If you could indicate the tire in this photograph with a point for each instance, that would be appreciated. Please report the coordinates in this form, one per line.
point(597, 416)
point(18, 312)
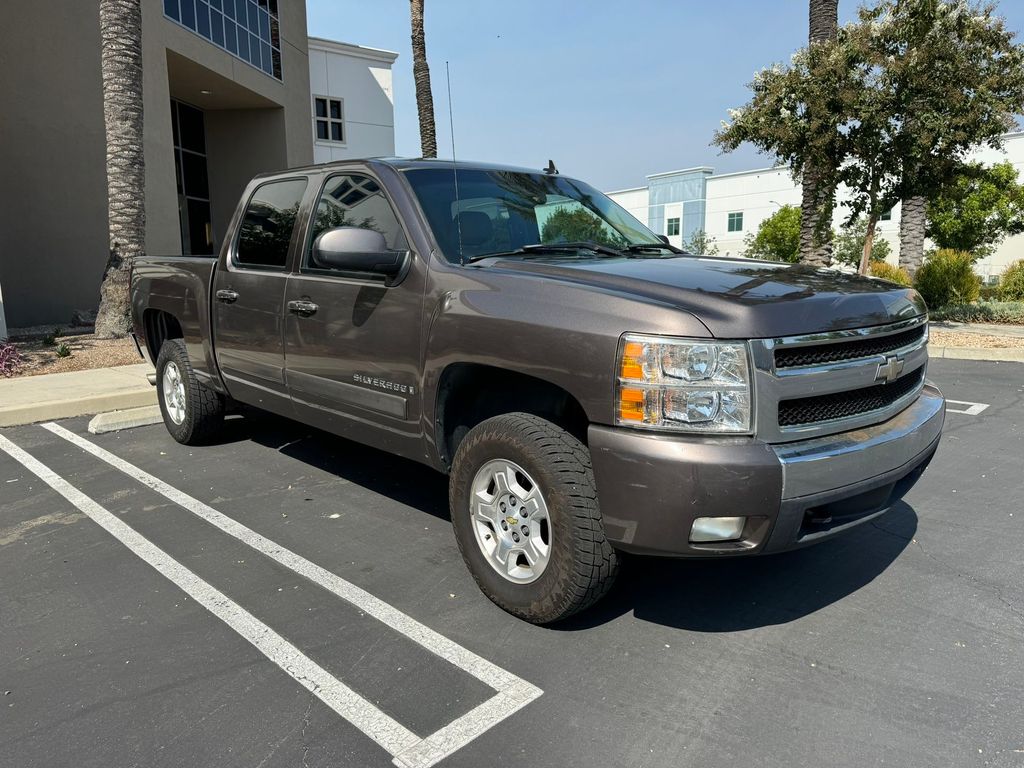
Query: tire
point(554, 468)
point(193, 413)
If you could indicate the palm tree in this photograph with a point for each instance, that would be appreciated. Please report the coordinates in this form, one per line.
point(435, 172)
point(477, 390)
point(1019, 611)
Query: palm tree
point(912, 224)
point(421, 74)
point(121, 71)
point(815, 245)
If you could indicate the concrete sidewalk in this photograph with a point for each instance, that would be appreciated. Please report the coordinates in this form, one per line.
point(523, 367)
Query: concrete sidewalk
point(29, 399)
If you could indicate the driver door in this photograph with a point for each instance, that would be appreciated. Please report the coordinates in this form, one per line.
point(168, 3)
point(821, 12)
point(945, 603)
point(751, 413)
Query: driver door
point(351, 342)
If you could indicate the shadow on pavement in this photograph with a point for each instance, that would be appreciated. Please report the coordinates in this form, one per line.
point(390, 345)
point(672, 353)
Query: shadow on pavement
point(720, 595)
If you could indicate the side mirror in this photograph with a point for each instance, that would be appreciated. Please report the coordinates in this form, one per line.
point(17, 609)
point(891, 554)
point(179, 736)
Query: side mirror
point(664, 239)
point(352, 249)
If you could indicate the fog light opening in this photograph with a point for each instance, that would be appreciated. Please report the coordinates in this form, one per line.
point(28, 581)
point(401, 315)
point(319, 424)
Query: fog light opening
point(717, 529)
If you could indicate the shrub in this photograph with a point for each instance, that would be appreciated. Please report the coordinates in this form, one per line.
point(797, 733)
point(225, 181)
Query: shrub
point(63, 350)
point(10, 359)
point(947, 277)
point(1011, 284)
point(989, 293)
point(887, 271)
point(51, 338)
point(1008, 312)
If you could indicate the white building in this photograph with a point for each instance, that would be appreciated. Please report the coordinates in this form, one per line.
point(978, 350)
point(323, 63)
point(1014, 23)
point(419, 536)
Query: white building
point(729, 206)
point(352, 101)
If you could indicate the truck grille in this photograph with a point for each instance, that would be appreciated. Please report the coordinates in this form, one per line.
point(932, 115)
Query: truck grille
point(834, 352)
point(841, 405)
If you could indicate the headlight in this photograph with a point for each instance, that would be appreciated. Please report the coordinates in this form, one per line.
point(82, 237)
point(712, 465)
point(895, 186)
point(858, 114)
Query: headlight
point(689, 386)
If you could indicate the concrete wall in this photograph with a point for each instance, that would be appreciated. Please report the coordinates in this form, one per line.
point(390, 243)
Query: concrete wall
point(361, 77)
point(53, 212)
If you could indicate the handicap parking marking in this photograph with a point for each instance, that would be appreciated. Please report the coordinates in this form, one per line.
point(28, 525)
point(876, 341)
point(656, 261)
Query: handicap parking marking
point(970, 409)
point(511, 692)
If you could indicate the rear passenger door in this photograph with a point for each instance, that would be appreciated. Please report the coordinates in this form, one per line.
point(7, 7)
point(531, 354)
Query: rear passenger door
point(353, 362)
point(248, 300)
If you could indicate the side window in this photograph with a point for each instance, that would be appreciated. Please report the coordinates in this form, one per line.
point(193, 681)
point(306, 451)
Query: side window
point(354, 200)
point(268, 224)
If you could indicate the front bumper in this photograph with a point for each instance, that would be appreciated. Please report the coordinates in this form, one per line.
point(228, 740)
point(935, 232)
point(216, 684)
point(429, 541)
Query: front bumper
point(652, 487)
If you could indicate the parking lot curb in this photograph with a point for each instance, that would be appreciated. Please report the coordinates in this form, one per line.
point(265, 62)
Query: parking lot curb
point(993, 354)
point(112, 421)
point(52, 396)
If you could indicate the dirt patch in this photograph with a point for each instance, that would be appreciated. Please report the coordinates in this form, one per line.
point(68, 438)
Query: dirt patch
point(86, 352)
point(939, 338)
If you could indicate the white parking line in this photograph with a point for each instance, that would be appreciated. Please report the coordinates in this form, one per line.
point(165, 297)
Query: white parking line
point(972, 409)
point(513, 693)
point(390, 734)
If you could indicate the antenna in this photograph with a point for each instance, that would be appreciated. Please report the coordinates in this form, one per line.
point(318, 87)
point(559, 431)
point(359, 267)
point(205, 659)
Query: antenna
point(455, 166)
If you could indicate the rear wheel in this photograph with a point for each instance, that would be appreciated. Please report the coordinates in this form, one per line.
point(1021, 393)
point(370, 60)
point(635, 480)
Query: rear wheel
point(192, 413)
point(524, 508)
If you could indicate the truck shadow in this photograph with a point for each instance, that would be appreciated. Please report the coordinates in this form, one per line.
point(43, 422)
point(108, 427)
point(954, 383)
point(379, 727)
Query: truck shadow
point(747, 593)
point(721, 595)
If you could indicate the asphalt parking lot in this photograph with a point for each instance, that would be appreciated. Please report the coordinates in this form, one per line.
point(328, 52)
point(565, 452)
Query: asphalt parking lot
point(285, 598)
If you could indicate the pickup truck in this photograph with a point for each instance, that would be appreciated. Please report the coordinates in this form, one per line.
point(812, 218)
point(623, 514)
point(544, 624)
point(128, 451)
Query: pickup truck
point(588, 389)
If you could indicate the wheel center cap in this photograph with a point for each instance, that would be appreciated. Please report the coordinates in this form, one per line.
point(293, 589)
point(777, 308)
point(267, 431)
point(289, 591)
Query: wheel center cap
point(511, 520)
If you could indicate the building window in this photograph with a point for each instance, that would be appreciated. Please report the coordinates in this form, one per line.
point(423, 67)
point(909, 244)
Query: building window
point(329, 118)
point(672, 227)
point(887, 216)
point(736, 222)
point(248, 29)
point(189, 139)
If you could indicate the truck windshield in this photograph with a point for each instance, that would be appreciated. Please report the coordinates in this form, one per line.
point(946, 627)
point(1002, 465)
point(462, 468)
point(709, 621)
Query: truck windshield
point(501, 211)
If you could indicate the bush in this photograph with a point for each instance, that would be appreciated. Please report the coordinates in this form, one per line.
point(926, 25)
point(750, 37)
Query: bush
point(1011, 284)
point(887, 271)
point(10, 359)
point(1008, 312)
point(63, 350)
point(947, 277)
point(989, 293)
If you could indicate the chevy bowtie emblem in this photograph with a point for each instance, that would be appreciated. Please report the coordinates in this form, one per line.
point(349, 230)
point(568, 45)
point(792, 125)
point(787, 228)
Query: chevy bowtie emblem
point(890, 370)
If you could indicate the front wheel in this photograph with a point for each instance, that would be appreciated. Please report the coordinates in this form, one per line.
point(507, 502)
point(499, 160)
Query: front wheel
point(192, 413)
point(526, 518)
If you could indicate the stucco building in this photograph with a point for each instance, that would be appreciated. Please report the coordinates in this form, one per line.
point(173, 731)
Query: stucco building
point(226, 90)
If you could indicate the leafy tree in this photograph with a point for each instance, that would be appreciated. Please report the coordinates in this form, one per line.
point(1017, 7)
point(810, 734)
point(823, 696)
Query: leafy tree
point(777, 238)
point(421, 76)
point(121, 76)
point(893, 105)
point(569, 224)
point(849, 245)
point(701, 244)
point(981, 207)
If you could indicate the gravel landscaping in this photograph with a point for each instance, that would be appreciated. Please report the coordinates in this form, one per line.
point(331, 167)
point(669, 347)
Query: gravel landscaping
point(940, 338)
point(86, 352)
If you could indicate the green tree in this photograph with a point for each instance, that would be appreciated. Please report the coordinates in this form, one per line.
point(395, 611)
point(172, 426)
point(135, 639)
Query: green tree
point(849, 245)
point(894, 112)
point(981, 207)
point(571, 224)
point(701, 244)
point(121, 76)
point(777, 238)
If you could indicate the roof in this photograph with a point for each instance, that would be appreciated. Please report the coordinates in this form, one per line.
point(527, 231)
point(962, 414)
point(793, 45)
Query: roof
point(351, 49)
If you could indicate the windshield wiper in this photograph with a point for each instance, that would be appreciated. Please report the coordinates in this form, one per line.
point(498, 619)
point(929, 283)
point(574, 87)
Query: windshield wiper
point(539, 249)
point(641, 247)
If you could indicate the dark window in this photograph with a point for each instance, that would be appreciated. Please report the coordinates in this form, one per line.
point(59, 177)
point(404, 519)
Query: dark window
point(251, 31)
point(672, 227)
point(735, 222)
point(329, 116)
point(887, 216)
point(268, 224)
point(191, 179)
point(354, 200)
point(190, 123)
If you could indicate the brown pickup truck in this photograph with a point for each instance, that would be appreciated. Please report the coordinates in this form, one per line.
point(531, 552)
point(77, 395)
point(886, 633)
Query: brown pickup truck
point(588, 389)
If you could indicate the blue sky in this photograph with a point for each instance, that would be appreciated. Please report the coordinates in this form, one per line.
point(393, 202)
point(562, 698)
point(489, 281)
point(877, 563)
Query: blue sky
point(610, 90)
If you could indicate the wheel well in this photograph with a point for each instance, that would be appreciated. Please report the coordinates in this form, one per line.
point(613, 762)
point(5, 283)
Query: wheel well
point(469, 394)
point(160, 326)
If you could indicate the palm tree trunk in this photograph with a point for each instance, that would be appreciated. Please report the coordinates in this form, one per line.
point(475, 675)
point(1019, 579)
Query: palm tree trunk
point(421, 74)
point(121, 71)
point(817, 190)
point(912, 224)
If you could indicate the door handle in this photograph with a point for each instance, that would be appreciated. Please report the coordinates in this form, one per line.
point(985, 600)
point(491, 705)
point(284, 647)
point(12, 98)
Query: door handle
point(303, 308)
point(227, 296)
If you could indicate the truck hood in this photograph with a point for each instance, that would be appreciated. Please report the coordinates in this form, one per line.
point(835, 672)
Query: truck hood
point(742, 298)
